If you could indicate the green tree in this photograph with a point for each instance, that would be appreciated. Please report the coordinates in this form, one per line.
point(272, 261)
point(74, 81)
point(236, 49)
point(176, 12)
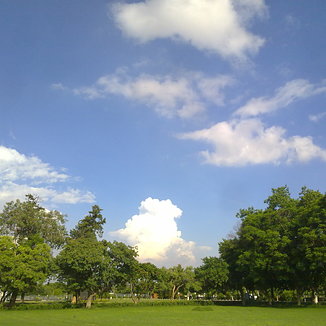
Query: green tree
point(23, 267)
point(280, 247)
point(27, 219)
point(179, 278)
point(84, 264)
point(127, 270)
point(146, 279)
point(90, 226)
point(307, 251)
point(238, 278)
point(212, 274)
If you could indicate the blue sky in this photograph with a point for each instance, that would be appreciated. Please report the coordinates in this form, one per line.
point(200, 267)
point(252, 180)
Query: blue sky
point(171, 115)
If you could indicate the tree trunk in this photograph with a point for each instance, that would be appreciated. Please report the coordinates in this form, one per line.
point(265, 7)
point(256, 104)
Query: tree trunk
point(89, 300)
point(22, 297)
point(132, 294)
point(243, 295)
point(13, 299)
point(173, 292)
point(4, 296)
point(271, 296)
point(299, 296)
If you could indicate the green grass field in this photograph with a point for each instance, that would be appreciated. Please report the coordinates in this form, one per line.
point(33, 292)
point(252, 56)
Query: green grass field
point(167, 316)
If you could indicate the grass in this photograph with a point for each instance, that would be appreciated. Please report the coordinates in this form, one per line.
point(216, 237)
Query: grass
point(169, 315)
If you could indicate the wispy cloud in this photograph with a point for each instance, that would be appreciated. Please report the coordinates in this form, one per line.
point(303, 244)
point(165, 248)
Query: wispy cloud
point(292, 91)
point(248, 142)
point(218, 26)
point(317, 117)
point(21, 174)
point(154, 231)
point(170, 96)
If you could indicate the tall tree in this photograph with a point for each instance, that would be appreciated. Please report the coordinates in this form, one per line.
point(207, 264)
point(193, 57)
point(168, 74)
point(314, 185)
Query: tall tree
point(84, 264)
point(90, 226)
point(282, 246)
point(307, 260)
point(26, 219)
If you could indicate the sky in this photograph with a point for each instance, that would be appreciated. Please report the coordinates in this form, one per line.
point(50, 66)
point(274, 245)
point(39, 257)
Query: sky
point(171, 115)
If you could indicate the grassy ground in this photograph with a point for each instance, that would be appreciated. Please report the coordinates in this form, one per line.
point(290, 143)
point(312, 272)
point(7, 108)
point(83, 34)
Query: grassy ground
point(171, 316)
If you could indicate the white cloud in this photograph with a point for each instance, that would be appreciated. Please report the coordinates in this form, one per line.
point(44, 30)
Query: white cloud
point(21, 174)
point(317, 117)
point(155, 232)
point(170, 96)
point(212, 25)
point(17, 166)
point(245, 142)
point(12, 191)
point(58, 86)
point(292, 91)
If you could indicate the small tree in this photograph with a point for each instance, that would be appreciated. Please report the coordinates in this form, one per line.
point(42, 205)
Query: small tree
point(212, 274)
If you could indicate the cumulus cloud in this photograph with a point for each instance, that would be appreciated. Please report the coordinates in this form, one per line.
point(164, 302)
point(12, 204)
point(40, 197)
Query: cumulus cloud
point(219, 26)
point(22, 174)
point(154, 231)
point(292, 91)
point(170, 96)
point(245, 142)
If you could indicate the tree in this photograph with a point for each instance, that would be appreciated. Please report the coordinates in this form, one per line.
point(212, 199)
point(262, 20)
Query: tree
point(127, 270)
point(27, 232)
point(212, 274)
point(145, 279)
point(84, 263)
point(27, 219)
point(23, 267)
point(280, 247)
point(90, 226)
point(84, 266)
point(307, 251)
point(230, 251)
point(178, 278)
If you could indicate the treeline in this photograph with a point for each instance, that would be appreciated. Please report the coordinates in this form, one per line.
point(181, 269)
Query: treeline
point(275, 251)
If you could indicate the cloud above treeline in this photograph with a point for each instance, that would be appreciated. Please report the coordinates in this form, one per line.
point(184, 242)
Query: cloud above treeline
point(155, 232)
point(23, 174)
point(217, 26)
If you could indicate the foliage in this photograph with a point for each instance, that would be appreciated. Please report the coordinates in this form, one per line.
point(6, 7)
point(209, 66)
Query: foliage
point(22, 267)
point(280, 247)
point(212, 274)
point(179, 278)
point(27, 219)
point(90, 226)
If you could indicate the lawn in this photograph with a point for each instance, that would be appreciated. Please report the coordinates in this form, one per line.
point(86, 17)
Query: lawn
point(167, 316)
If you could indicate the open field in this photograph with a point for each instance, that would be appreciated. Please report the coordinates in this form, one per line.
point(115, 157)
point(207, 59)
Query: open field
point(171, 315)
